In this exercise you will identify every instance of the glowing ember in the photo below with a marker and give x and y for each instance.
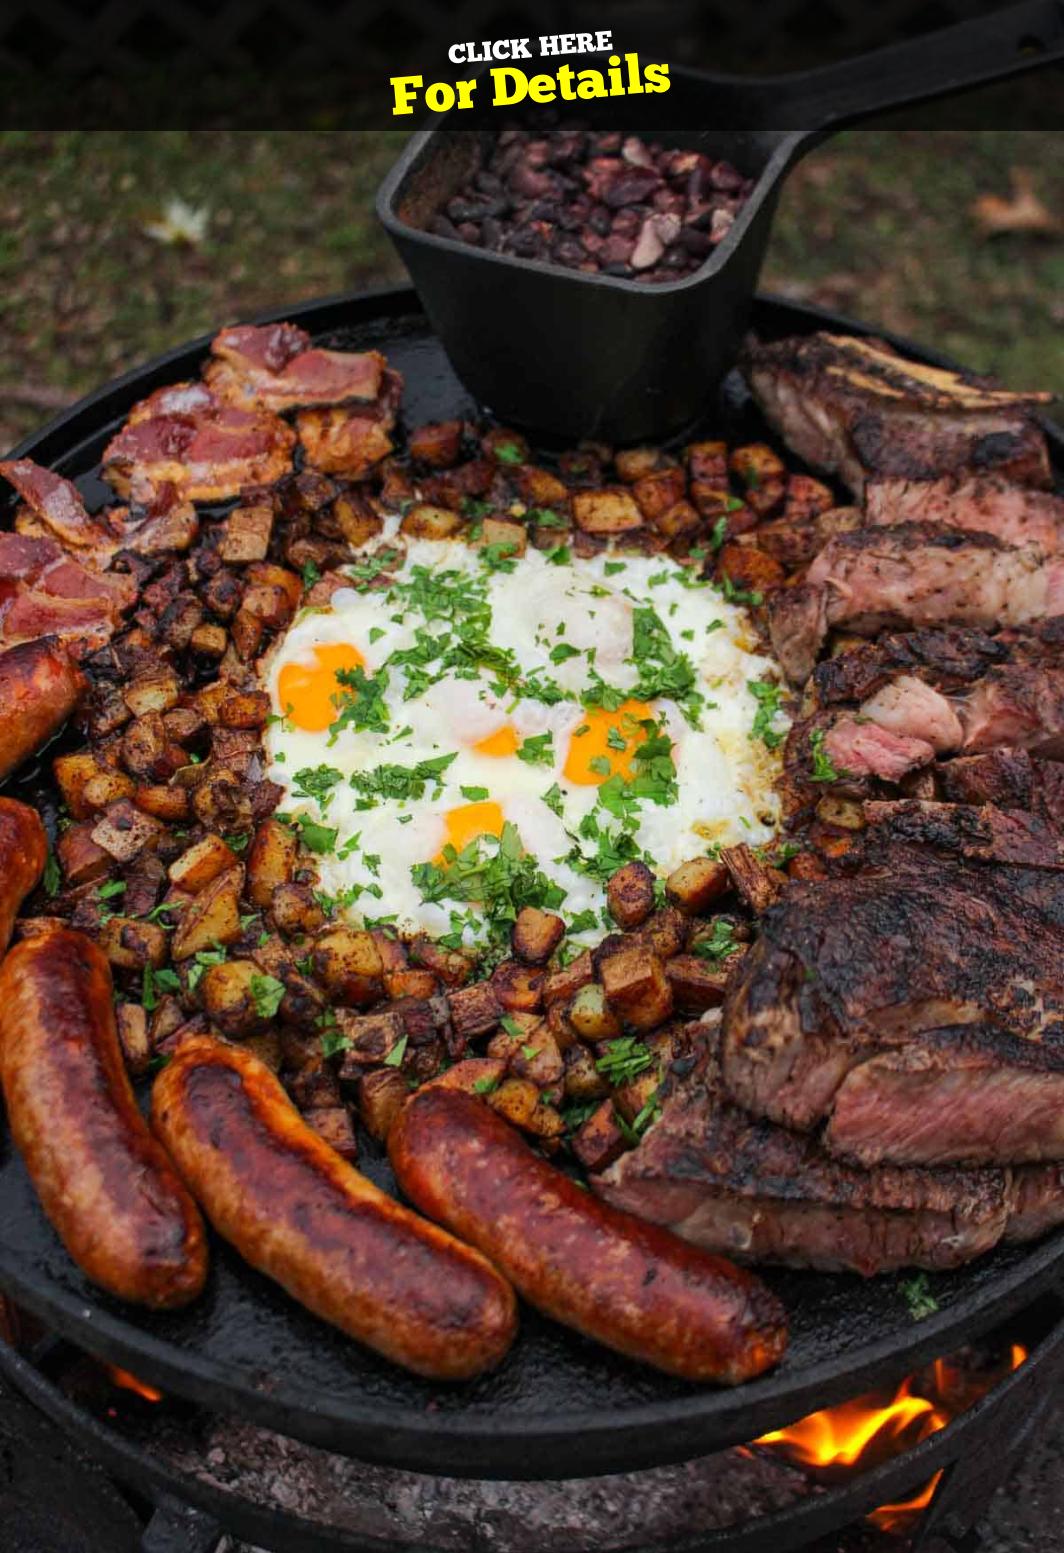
(873, 1429)
(130, 1382)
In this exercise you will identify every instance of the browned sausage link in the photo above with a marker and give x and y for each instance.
(39, 688)
(299, 1213)
(103, 1180)
(23, 852)
(630, 1285)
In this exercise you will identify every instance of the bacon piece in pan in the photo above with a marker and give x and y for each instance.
(352, 441)
(207, 454)
(56, 510)
(44, 591)
(274, 367)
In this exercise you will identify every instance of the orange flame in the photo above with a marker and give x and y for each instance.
(872, 1429)
(130, 1382)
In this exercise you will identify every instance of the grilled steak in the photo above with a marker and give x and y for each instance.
(949, 657)
(1017, 515)
(758, 1192)
(914, 574)
(1037, 1204)
(864, 748)
(855, 408)
(848, 968)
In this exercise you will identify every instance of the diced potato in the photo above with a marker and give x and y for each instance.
(536, 935)
(749, 568)
(708, 461)
(599, 1141)
(634, 464)
(209, 698)
(636, 987)
(247, 632)
(513, 447)
(132, 1024)
(634, 1097)
(410, 982)
(424, 521)
(806, 498)
(763, 473)
(227, 996)
(245, 534)
(263, 575)
(630, 894)
(591, 1016)
(295, 910)
(678, 521)
(655, 493)
(211, 917)
(381, 1096)
(438, 443)
(209, 641)
(611, 510)
(451, 966)
(546, 1124)
(537, 1058)
(517, 1100)
(698, 984)
(155, 692)
(131, 944)
(167, 1016)
(372, 1039)
(163, 802)
(107, 787)
(758, 884)
(333, 1123)
(348, 964)
(561, 986)
(475, 1010)
(696, 885)
(73, 774)
(512, 538)
(271, 861)
(582, 1080)
(247, 709)
(665, 932)
(355, 518)
(314, 1085)
(201, 863)
(474, 1075)
(148, 752)
(519, 988)
(124, 831)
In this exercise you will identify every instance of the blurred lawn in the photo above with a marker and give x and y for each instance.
(876, 224)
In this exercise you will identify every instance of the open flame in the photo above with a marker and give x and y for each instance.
(873, 1429)
(130, 1382)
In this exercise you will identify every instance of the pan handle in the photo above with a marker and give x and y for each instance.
(987, 48)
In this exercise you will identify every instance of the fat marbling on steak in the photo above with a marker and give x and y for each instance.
(855, 408)
(761, 1193)
(957, 920)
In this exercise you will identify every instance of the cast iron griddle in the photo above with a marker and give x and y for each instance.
(559, 1406)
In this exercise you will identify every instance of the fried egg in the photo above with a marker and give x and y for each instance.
(463, 733)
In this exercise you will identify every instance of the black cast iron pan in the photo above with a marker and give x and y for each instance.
(559, 1406)
(618, 359)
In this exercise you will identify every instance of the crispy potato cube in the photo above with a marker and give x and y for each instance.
(163, 802)
(639, 1092)
(245, 534)
(475, 1010)
(348, 964)
(519, 988)
(131, 944)
(636, 987)
(516, 1099)
(381, 1096)
(764, 475)
(247, 633)
(295, 910)
(538, 1059)
(630, 894)
(271, 861)
(698, 984)
(211, 917)
(167, 1016)
(425, 521)
(73, 774)
(806, 865)
(591, 1016)
(438, 443)
(759, 886)
(148, 752)
(536, 935)
(611, 510)
(451, 966)
(541, 489)
(247, 709)
(697, 884)
(582, 1080)
(678, 521)
(475, 1075)
(806, 498)
(372, 1038)
(665, 932)
(107, 787)
(201, 863)
(708, 461)
(209, 641)
(750, 568)
(355, 518)
(334, 1125)
(154, 692)
(227, 996)
(410, 982)
(124, 831)
(599, 1141)
(634, 464)
(263, 574)
(132, 1024)
(563, 985)
(656, 493)
(511, 538)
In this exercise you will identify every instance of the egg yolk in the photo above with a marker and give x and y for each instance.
(605, 743)
(465, 824)
(502, 742)
(306, 691)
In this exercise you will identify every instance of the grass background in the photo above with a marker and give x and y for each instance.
(875, 223)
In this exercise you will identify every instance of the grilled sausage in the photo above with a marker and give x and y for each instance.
(102, 1179)
(23, 852)
(303, 1216)
(39, 688)
(630, 1285)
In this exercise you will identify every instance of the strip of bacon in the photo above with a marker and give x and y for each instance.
(206, 456)
(57, 507)
(275, 367)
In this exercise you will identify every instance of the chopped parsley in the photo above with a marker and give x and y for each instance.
(315, 837)
(266, 994)
(360, 703)
(921, 1302)
(720, 943)
(623, 1059)
(156, 981)
(822, 769)
(495, 874)
(402, 782)
(537, 749)
(316, 782)
(200, 962)
(768, 696)
(52, 878)
(395, 1057)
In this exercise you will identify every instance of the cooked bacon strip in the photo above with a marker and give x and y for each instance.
(182, 399)
(275, 367)
(56, 508)
(207, 456)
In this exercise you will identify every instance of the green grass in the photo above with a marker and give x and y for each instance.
(876, 224)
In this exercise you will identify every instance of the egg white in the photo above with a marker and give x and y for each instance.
(725, 778)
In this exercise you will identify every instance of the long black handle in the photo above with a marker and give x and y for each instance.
(972, 53)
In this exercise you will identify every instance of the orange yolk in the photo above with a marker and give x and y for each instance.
(587, 751)
(463, 825)
(306, 691)
(503, 741)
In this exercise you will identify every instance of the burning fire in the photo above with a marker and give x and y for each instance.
(873, 1429)
(130, 1382)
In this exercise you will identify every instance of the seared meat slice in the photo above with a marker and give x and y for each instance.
(274, 367)
(983, 835)
(949, 657)
(855, 408)
(757, 1192)
(207, 453)
(915, 574)
(1017, 515)
(1037, 1201)
(796, 542)
(1020, 704)
(1005, 778)
(971, 1095)
(845, 968)
(864, 749)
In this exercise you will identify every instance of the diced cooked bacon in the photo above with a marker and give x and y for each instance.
(207, 457)
(81, 624)
(23, 556)
(57, 507)
(275, 367)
